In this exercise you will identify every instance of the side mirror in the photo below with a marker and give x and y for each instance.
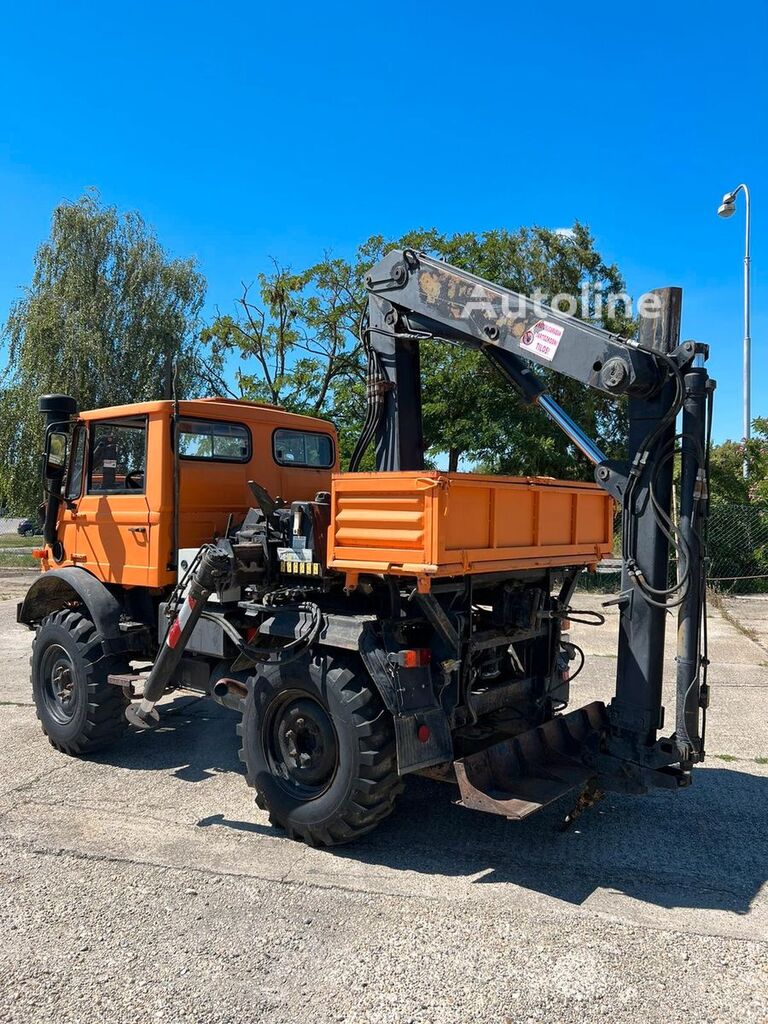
(56, 443)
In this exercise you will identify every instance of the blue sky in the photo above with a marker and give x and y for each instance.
(243, 131)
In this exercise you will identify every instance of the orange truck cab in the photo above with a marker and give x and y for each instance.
(118, 521)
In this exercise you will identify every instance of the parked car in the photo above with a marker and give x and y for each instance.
(28, 527)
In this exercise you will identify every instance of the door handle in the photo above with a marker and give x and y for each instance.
(137, 529)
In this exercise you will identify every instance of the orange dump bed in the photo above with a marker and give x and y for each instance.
(446, 524)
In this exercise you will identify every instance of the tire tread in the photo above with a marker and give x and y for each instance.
(105, 717)
(377, 785)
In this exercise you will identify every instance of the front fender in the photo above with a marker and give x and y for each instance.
(59, 587)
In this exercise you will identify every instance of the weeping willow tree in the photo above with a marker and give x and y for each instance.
(108, 312)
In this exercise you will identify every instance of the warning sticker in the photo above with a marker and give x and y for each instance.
(542, 339)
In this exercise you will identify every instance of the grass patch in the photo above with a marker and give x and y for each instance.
(761, 760)
(17, 560)
(15, 540)
(725, 757)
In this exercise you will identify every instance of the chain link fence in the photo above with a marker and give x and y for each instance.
(737, 551)
(738, 547)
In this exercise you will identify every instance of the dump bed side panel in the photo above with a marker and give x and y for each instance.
(428, 523)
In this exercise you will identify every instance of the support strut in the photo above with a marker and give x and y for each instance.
(636, 712)
(693, 514)
(214, 567)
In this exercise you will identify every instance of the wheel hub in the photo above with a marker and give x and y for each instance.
(303, 745)
(62, 682)
(59, 691)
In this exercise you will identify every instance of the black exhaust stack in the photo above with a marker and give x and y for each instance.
(58, 410)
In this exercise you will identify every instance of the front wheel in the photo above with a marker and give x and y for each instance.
(319, 748)
(79, 710)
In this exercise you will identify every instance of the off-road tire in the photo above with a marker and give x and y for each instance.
(362, 789)
(94, 716)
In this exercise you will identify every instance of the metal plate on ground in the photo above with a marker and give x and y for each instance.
(519, 776)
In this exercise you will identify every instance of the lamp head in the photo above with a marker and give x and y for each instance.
(728, 206)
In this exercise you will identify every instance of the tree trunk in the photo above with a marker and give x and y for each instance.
(168, 374)
(454, 454)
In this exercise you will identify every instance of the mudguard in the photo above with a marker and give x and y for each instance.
(416, 747)
(58, 587)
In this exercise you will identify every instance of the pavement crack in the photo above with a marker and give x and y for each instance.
(751, 634)
(37, 778)
(113, 806)
(36, 849)
(302, 856)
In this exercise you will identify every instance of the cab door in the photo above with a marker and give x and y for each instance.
(66, 528)
(113, 522)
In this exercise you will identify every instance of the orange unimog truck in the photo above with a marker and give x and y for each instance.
(370, 625)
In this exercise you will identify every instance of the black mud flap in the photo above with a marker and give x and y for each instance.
(423, 739)
(519, 776)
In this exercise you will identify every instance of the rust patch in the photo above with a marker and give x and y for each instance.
(430, 286)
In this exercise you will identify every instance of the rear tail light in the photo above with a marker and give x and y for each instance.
(418, 657)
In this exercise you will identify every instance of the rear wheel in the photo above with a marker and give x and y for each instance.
(80, 712)
(319, 749)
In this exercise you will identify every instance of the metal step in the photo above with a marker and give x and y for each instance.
(519, 776)
(128, 681)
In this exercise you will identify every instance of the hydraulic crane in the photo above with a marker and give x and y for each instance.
(413, 297)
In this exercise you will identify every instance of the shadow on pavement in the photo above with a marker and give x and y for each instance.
(195, 740)
(704, 847)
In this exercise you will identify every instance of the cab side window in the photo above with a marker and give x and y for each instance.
(302, 448)
(77, 464)
(118, 456)
(214, 440)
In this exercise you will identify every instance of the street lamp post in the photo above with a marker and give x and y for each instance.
(727, 209)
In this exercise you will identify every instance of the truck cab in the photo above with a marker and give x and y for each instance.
(130, 466)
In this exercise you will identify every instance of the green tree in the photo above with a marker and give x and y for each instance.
(296, 338)
(738, 522)
(106, 316)
(727, 467)
(303, 341)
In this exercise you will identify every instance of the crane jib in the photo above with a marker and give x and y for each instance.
(448, 302)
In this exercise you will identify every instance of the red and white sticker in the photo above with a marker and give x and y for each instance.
(542, 339)
(174, 633)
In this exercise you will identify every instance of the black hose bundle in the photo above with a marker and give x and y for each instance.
(671, 596)
(294, 648)
(377, 384)
(374, 401)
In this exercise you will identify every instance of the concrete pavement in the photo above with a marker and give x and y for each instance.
(145, 885)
